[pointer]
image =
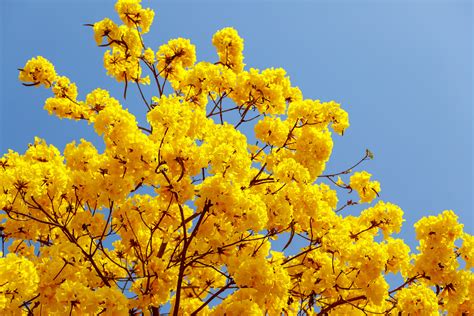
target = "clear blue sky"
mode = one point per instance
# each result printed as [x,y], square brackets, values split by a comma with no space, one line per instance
[402,69]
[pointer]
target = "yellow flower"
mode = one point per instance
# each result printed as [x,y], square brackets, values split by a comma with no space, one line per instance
[38,70]
[149,55]
[133,15]
[417,299]
[367,190]
[19,282]
[106,28]
[467,250]
[176,52]
[229,47]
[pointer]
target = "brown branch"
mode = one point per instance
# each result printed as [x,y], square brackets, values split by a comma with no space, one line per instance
[367,156]
[341,301]
[213,296]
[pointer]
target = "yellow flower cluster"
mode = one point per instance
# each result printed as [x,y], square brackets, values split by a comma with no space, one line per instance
[272,130]
[266,90]
[367,190]
[123,60]
[467,250]
[180,215]
[398,256]
[417,300]
[315,112]
[229,47]
[437,235]
[64,104]
[203,80]
[133,15]
[37,71]
[385,216]
[19,282]
[173,57]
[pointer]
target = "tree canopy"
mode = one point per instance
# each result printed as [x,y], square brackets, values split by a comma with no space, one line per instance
[181,216]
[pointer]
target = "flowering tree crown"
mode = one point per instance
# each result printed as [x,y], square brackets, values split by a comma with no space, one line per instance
[179,215]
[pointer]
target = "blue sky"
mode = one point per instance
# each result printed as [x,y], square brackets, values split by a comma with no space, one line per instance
[402,69]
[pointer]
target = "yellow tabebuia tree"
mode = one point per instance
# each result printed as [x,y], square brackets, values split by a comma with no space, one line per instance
[179,216]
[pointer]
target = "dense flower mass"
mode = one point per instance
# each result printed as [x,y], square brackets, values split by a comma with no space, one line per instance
[180,215]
